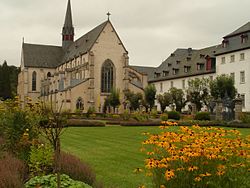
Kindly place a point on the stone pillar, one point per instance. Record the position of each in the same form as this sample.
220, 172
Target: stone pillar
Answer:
91, 80
194, 109
218, 110
238, 107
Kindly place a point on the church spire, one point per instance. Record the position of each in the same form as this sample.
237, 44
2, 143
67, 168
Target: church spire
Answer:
68, 29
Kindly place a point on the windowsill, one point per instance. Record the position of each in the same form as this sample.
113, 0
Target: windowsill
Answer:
242, 82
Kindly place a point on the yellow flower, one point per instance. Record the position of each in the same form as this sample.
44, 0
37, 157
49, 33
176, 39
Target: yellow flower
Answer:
197, 178
192, 168
138, 170
169, 174
220, 172
162, 186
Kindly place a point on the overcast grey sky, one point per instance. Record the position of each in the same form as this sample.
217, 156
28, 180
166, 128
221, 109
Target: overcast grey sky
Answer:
149, 29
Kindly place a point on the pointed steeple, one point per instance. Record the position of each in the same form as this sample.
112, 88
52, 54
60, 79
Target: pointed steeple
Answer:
68, 29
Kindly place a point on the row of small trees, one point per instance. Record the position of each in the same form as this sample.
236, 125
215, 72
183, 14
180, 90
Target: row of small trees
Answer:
200, 91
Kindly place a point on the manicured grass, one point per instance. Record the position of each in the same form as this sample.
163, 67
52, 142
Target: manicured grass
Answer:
113, 152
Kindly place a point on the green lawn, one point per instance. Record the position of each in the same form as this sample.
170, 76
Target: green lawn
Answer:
113, 152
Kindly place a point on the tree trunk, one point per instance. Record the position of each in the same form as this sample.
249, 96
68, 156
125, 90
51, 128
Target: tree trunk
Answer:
58, 163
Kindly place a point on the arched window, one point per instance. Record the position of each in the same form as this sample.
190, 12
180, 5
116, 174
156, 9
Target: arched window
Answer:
34, 81
48, 75
79, 104
107, 76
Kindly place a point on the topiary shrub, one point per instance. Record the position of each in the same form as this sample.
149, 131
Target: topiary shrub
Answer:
174, 115
77, 169
202, 116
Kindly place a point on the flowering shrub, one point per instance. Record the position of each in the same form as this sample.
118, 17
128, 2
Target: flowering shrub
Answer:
198, 157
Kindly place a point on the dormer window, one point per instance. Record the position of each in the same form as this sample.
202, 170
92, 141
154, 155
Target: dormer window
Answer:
157, 74
187, 69
178, 62
188, 58
172, 55
200, 66
244, 38
169, 64
225, 43
175, 71
165, 73
202, 56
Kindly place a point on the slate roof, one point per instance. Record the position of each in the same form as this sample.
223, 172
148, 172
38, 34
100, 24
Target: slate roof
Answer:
46, 56
149, 71
242, 29
84, 43
41, 56
185, 58
234, 42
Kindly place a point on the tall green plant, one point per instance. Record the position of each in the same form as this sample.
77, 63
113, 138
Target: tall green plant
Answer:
164, 100
178, 97
150, 92
114, 98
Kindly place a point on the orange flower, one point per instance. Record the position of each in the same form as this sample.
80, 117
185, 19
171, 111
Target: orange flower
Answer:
192, 168
197, 178
169, 174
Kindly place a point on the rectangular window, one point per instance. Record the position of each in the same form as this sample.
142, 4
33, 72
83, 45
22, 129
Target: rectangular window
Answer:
172, 84
243, 100
232, 75
200, 66
242, 77
175, 71
187, 69
242, 56
223, 60
161, 87
232, 58
165, 73
183, 84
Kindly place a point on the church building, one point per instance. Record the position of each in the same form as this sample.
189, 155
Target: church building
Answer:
81, 73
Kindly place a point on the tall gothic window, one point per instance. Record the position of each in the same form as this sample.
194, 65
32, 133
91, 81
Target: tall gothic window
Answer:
107, 76
34, 81
79, 104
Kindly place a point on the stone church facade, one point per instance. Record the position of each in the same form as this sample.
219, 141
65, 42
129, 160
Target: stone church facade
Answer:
81, 73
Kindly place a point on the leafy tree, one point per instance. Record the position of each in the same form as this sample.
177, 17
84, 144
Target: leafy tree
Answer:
221, 86
198, 92
114, 98
134, 99
164, 100
150, 93
178, 98
8, 81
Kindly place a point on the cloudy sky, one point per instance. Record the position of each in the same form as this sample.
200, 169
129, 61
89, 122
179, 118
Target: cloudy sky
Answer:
150, 29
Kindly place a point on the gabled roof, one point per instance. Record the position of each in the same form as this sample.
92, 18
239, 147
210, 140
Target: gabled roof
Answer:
84, 43
41, 56
240, 30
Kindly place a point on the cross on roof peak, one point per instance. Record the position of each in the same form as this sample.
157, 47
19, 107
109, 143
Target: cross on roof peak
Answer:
108, 14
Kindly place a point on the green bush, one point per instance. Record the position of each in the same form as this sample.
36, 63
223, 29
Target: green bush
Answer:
126, 115
202, 116
140, 116
164, 117
245, 117
50, 181
90, 111
154, 113
174, 115
41, 160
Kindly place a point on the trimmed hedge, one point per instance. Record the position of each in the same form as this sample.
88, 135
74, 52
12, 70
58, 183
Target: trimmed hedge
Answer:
84, 123
145, 123
202, 116
174, 115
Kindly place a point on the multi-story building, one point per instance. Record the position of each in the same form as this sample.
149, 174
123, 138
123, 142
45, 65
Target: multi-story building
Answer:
81, 73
